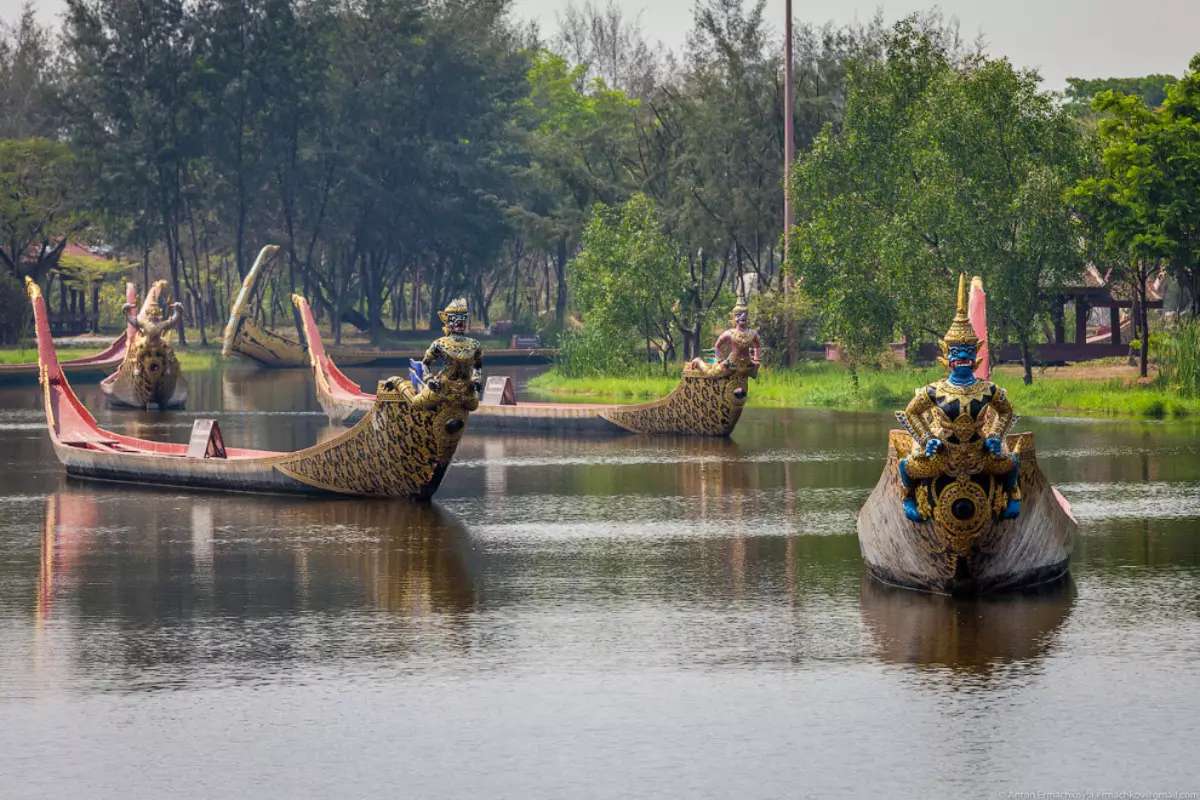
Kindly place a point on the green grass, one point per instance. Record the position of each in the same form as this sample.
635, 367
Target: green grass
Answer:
25, 355
190, 358
824, 385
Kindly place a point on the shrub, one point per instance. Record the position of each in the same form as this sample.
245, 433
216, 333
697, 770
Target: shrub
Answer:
769, 315
593, 352
1179, 357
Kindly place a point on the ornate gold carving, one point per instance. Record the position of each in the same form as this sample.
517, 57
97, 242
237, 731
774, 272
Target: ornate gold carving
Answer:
962, 511
701, 405
397, 449
150, 371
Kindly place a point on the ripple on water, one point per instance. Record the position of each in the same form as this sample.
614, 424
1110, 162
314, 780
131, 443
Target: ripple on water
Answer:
640, 518
21, 498
1160, 500
630, 458
1157, 449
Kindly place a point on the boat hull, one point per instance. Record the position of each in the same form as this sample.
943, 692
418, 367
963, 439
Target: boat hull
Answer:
698, 406
395, 450
401, 447
702, 404
420, 457
1033, 549
96, 366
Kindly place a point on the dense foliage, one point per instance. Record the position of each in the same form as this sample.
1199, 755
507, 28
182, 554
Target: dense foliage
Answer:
401, 151
947, 162
404, 152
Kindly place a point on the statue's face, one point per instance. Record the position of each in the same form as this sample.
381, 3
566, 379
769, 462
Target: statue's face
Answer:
741, 318
961, 358
458, 322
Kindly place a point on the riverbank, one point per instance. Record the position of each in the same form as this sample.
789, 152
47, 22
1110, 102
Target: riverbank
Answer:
1098, 389
191, 358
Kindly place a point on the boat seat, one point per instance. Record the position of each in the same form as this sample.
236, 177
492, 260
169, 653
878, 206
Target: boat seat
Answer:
84, 438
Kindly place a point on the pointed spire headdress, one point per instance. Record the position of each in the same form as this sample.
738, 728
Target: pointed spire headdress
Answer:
961, 331
739, 305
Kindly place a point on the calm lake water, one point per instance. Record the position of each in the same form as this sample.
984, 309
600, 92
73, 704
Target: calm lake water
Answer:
573, 618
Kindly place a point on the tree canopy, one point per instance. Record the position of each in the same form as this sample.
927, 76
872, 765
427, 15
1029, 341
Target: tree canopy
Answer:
946, 162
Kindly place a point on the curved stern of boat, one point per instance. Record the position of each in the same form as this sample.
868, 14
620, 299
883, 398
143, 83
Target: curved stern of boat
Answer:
397, 449
700, 405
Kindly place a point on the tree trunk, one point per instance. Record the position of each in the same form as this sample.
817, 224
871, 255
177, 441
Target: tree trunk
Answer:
435, 293
560, 267
1026, 357
1144, 322
416, 298
96, 307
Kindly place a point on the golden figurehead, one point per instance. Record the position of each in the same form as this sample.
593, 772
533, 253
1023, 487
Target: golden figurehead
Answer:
150, 374
742, 342
461, 373
960, 469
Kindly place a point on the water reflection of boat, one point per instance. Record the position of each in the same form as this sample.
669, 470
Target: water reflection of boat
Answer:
968, 634
700, 405
397, 450
249, 340
99, 364
319, 556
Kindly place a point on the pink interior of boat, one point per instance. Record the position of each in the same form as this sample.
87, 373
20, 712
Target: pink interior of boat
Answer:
73, 425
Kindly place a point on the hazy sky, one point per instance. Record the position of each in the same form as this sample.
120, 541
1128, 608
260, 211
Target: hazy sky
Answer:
1061, 38
1087, 38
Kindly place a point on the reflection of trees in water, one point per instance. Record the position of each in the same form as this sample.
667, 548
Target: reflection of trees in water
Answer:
247, 388
717, 516
160, 579
970, 636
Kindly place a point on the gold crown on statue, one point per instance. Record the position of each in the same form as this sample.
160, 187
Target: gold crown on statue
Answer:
961, 331
739, 306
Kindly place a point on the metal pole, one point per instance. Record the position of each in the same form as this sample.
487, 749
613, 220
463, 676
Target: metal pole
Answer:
789, 151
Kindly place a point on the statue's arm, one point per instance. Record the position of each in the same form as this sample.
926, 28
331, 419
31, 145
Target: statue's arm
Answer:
431, 354
130, 312
477, 370
756, 348
726, 340
1001, 417
176, 315
917, 414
